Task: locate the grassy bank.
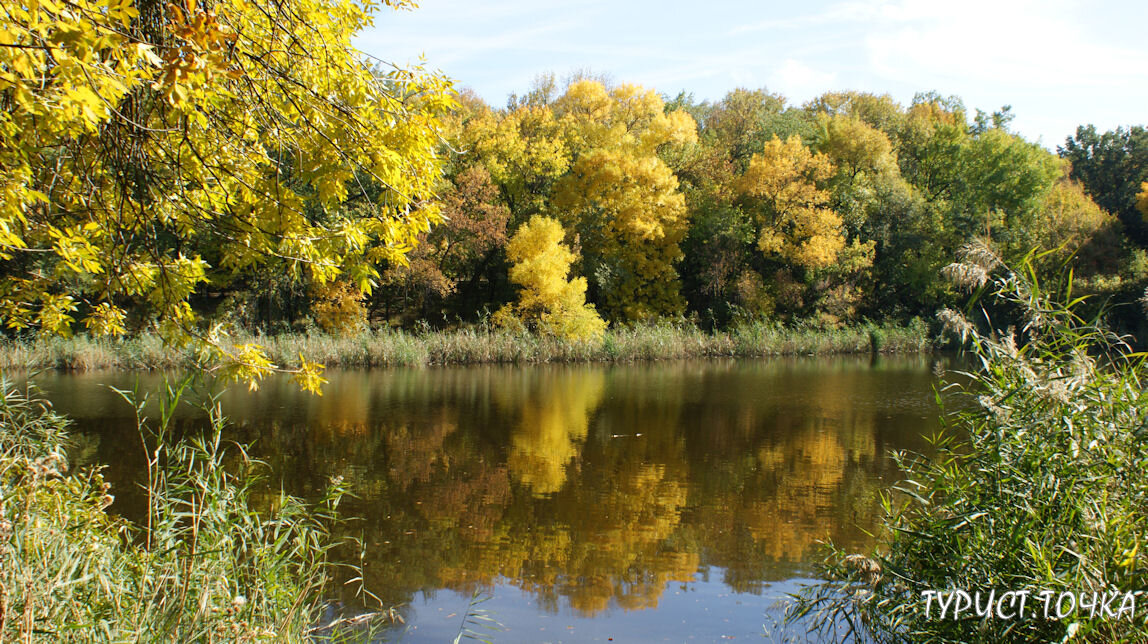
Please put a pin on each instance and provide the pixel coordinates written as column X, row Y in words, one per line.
column 387, row 347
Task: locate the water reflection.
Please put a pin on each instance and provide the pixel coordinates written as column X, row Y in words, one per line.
column 588, row 487
column 553, row 410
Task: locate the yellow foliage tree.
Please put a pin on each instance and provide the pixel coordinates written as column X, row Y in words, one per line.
column 338, row 308
column 1142, row 199
column 627, row 117
column 631, row 219
column 621, row 199
column 523, row 150
column 548, row 302
column 148, row 148
column 1068, row 217
column 855, row 147
column 796, row 221
column 590, row 158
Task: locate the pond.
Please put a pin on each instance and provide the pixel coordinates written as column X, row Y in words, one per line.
column 668, row 501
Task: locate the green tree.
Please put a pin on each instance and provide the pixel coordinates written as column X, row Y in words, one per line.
column 956, row 182
column 745, row 120
column 1005, row 176
column 929, row 147
column 720, row 265
column 1111, row 167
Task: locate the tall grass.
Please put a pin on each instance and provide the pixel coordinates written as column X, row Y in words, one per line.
column 1041, row 488
column 388, row 347
column 206, row 564
column 84, row 353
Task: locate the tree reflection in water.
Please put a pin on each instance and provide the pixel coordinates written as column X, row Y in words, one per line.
column 590, row 487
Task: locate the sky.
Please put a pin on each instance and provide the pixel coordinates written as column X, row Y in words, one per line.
column 1058, row 63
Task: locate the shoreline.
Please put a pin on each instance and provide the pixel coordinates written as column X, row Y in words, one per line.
column 397, row 348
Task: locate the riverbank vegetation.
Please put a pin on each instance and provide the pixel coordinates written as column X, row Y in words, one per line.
column 663, row 340
column 742, row 210
column 1041, row 488
column 211, row 558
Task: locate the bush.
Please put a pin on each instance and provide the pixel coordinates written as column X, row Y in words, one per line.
column 1041, row 487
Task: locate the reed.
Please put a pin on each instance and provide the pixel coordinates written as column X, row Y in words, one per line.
column 665, row 340
column 207, row 563
column 1040, row 488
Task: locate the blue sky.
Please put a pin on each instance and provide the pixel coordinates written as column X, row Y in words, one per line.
column 1059, row 63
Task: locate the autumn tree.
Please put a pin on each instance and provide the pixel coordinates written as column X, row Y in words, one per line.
column 451, row 259
column 149, row 150
column 548, row 301
column 621, row 199
column 590, row 157
column 719, row 245
column 744, row 120
column 952, row 181
column 630, row 220
column 524, row 151
column 338, row 308
column 855, row 147
column 796, row 222
column 929, row 146
column 1068, row 222
column 878, row 111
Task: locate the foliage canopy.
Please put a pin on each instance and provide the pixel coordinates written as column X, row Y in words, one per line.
column 150, row 151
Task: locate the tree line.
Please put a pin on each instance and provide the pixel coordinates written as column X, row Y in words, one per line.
column 844, row 208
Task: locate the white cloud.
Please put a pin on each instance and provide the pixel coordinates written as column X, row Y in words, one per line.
column 449, row 49
column 1010, row 43
column 449, row 31
column 844, row 12
column 1056, row 61
column 800, row 82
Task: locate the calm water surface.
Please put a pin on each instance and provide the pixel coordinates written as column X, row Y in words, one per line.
column 673, row 501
